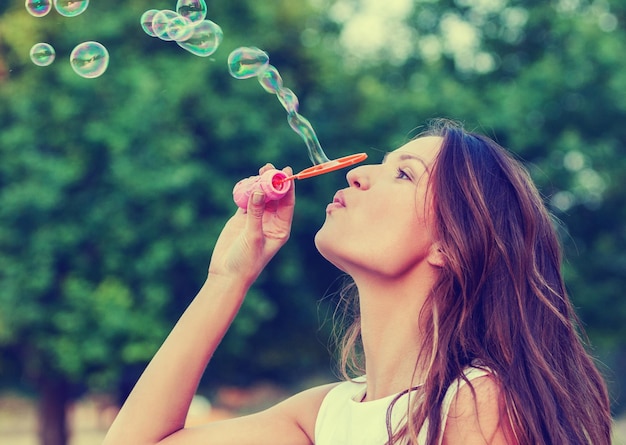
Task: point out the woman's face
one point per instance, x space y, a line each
381 223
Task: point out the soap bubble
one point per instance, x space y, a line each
38 8
247 62
70 8
194 10
288 100
205 40
160 21
146 22
42 54
89 59
270 79
179 28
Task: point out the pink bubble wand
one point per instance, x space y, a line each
275 183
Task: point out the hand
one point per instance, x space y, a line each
253 236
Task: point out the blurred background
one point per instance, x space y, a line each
114 189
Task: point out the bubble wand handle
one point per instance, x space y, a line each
272 183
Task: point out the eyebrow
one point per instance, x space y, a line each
406 156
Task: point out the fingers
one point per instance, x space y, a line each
265 168
285 207
282 208
291 195
256 207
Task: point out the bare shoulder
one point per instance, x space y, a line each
302 408
477 415
291 422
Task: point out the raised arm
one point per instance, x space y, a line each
156 409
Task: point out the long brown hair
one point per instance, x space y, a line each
500 300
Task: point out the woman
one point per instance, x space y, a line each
462 334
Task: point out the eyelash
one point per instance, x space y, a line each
401 174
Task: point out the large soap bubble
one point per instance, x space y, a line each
204 40
70 8
89 59
194 10
146 22
246 62
38 8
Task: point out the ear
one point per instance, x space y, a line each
435 257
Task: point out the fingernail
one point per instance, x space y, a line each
257 198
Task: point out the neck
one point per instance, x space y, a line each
390 331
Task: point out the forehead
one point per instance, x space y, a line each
425 148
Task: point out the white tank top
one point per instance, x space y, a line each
344 420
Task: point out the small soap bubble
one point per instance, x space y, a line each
42 54
194 10
206 38
270 79
180 28
89 59
288 99
247 62
146 22
70 8
160 20
38 8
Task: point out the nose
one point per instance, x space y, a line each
358 177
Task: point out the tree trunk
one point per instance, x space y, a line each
52 412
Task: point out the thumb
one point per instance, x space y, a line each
256 207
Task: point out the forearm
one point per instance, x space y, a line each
158 405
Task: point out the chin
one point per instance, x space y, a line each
321 242
327 247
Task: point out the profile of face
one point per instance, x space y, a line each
382 223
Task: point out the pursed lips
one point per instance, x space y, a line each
338 202
339 199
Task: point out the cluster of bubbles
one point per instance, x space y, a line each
87 59
192 31
67 8
187 26
247 62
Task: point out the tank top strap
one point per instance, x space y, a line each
471 373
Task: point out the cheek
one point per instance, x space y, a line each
400 250
387 238
383 243
401 238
